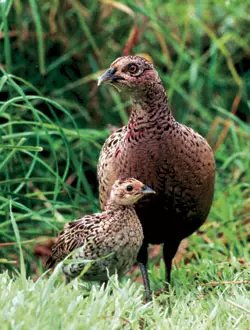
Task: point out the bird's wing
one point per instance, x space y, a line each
74 235
106 169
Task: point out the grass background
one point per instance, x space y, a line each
54 120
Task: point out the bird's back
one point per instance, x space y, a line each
74 235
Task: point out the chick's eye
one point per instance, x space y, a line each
129 188
132 68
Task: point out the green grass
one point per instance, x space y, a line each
53 122
47 305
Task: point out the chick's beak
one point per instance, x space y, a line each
147 190
108 76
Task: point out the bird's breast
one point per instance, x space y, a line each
179 167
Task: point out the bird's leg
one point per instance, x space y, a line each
142 261
169 251
146 283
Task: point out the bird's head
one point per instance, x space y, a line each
130 74
128 192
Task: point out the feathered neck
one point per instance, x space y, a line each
150 106
113 207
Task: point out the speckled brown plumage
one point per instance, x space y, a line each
116 231
168 156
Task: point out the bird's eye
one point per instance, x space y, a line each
132 68
129 188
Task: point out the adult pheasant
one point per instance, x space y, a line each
168 156
109 240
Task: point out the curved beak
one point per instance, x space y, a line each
147 190
108 76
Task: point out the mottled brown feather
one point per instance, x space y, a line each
115 231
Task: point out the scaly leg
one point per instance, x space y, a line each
142 261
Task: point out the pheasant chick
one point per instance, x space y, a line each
109 240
